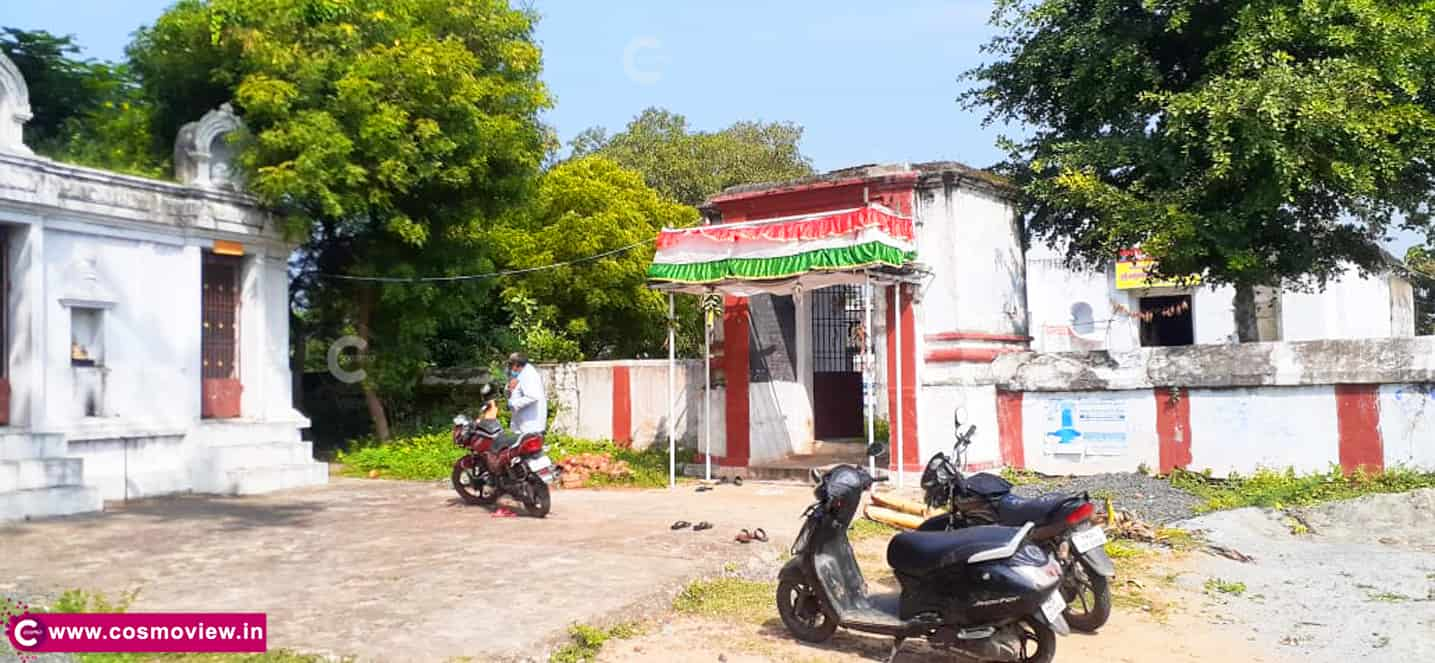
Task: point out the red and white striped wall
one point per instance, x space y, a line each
1309 428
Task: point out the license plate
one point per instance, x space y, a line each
1087 539
540 464
1053 606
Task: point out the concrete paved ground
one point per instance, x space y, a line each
397 570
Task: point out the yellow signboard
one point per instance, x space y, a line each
1133 272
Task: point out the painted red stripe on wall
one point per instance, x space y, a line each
735 323
622 406
1173 427
1009 432
1357 409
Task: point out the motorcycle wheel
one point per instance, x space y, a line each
1038 641
470 489
801 611
539 500
1088 598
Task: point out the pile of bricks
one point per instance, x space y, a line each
579 469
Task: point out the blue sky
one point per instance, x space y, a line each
872 82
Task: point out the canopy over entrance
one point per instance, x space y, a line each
866 246
778 255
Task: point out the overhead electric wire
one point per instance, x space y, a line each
487 275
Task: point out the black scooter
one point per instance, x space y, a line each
981 592
1063 527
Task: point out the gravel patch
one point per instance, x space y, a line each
1359 587
1153 500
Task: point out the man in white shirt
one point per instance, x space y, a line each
526 400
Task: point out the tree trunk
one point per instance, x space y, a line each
1247 326
371 395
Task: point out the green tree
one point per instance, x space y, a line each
589 206
1420 261
689 166
388 135
85 112
1249 141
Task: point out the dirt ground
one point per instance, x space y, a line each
1156 621
402 571
398 571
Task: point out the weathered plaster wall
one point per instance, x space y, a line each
1407 424
969 237
627 401
1242 429
1228 408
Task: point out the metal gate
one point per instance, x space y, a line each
219 338
837 339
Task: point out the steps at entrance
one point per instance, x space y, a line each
257 480
235 458
26 446
844 449
49 502
33 473
38 481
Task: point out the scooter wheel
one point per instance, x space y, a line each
1038 641
802 611
1088 599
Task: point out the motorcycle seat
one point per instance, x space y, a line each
920 553
489 427
1014 510
510 439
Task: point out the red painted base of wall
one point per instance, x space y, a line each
735 322
1357 410
4 402
622 407
1173 427
220 398
1009 432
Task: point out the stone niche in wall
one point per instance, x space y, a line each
204 154
14 109
88 300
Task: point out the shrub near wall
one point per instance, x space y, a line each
430 457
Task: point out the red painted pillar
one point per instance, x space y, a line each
907 437
735 321
1009 431
622 407
1173 427
1357 409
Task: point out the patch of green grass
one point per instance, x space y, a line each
1121 549
1018 477
732 599
1389 597
1277 489
430 457
863 529
1177 538
1219 586
588 641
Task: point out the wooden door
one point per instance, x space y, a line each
219 337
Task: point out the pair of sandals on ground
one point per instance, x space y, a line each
736 481
743 536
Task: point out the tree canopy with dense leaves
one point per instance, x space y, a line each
84 111
585 207
388 134
1249 141
689 166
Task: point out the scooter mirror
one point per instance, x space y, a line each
815 475
957 418
876 449
486 390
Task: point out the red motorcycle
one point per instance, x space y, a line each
523 470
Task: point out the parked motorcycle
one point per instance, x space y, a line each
523 469
980 592
1063 527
